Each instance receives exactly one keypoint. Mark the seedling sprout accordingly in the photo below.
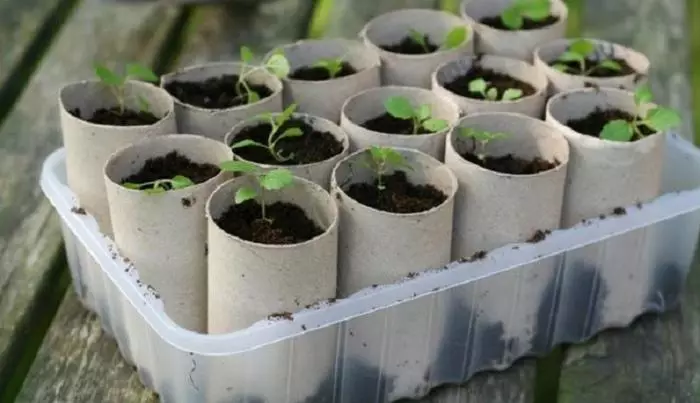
(332, 65)
(273, 180)
(455, 37)
(659, 119)
(276, 122)
(579, 52)
(514, 16)
(161, 185)
(490, 93)
(117, 83)
(276, 64)
(401, 108)
(381, 160)
(480, 138)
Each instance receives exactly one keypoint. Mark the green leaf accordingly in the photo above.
(479, 85)
(133, 186)
(561, 67)
(156, 189)
(617, 130)
(662, 119)
(393, 157)
(610, 65)
(239, 166)
(278, 65)
(378, 154)
(399, 107)
(455, 37)
(512, 18)
(253, 97)
(570, 56)
(135, 70)
(144, 106)
(423, 112)
(536, 9)
(247, 143)
(276, 179)
(582, 47)
(244, 194)
(107, 76)
(492, 94)
(246, 55)
(291, 132)
(180, 182)
(512, 94)
(417, 37)
(480, 135)
(435, 125)
(286, 115)
(643, 95)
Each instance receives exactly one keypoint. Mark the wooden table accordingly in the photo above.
(53, 350)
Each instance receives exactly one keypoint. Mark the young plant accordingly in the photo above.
(117, 83)
(514, 16)
(276, 123)
(276, 64)
(659, 119)
(480, 138)
(266, 181)
(401, 108)
(483, 87)
(332, 65)
(455, 37)
(381, 160)
(161, 185)
(579, 52)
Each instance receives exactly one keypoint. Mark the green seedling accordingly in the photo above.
(382, 160)
(455, 37)
(483, 87)
(332, 65)
(276, 122)
(266, 181)
(276, 64)
(579, 52)
(480, 138)
(117, 83)
(659, 119)
(161, 185)
(514, 16)
(401, 108)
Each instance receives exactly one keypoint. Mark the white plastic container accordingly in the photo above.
(184, 366)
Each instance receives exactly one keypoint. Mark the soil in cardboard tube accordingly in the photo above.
(511, 164)
(593, 124)
(215, 92)
(399, 195)
(115, 117)
(313, 146)
(497, 23)
(386, 123)
(408, 46)
(170, 165)
(591, 66)
(317, 73)
(285, 223)
(502, 82)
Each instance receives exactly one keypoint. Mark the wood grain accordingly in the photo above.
(29, 230)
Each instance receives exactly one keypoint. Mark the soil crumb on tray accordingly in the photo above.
(318, 73)
(313, 146)
(593, 124)
(399, 196)
(281, 316)
(215, 92)
(285, 223)
(510, 164)
(575, 68)
(501, 82)
(528, 23)
(115, 117)
(171, 165)
(386, 123)
(408, 46)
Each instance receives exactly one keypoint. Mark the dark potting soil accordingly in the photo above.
(502, 82)
(575, 68)
(399, 196)
(510, 164)
(313, 146)
(115, 117)
(386, 123)
(408, 46)
(311, 73)
(497, 23)
(593, 124)
(170, 165)
(285, 224)
(215, 92)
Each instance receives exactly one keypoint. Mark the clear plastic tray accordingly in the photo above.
(401, 340)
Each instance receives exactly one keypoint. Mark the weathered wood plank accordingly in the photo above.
(29, 231)
(658, 358)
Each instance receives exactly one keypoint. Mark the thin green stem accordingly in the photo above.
(262, 203)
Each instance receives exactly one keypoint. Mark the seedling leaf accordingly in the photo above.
(244, 194)
(180, 182)
(582, 47)
(417, 37)
(481, 135)
(291, 132)
(561, 67)
(492, 94)
(512, 18)
(512, 94)
(662, 119)
(286, 115)
(133, 186)
(276, 179)
(479, 85)
(238, 166)
(253, 97)
(246, 55)
(399, 107)
(435, 125)
(643, 95)
(610, 65)
(143, 103)
(617, 130)
(278, 65)
(107, 76)
(570, 56)
(423, 112)
(455, 37)
(537, 10)
(135, 70)
(247, 143)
